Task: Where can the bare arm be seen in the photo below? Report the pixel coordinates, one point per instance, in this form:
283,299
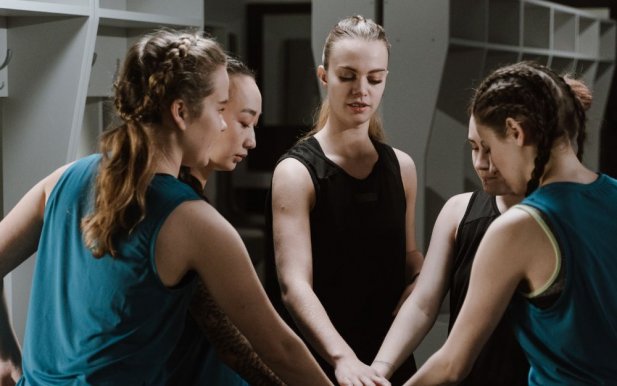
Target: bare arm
293,195
19,237
514,251
233,348
418,313
196,237
414,258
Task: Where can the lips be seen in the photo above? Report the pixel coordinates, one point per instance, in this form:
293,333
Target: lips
357,104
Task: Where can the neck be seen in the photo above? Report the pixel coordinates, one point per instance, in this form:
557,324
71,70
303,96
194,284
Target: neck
506,201
202,174
168,154
564,166
345,141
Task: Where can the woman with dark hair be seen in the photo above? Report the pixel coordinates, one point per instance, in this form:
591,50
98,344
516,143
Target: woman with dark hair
457,233
211,350
548,263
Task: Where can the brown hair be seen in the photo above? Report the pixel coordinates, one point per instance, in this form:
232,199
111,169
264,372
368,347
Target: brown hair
354,27
544,104
161,67
237,67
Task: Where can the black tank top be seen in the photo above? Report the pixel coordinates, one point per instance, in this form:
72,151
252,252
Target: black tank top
358,248
501,361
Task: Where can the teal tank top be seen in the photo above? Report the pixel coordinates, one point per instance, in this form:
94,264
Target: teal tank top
106,321
573,341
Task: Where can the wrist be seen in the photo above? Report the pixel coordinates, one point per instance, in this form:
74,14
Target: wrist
384,368
337,359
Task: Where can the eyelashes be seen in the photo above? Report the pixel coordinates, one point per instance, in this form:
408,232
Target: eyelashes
352,78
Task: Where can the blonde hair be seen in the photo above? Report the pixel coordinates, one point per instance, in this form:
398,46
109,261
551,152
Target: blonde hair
354,27
160,68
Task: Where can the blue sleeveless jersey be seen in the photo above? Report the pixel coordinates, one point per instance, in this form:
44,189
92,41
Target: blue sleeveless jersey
573,342
106,321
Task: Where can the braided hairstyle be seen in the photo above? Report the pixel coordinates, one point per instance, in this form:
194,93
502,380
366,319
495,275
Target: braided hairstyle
354,27
541,101
161,67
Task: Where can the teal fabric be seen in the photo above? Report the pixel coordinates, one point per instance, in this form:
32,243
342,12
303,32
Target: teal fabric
573,342
107,321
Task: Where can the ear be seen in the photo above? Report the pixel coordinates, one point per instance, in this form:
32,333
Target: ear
515,131
322,75
179,113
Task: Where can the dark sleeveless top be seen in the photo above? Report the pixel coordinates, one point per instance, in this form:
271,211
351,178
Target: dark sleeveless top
501,361
358,247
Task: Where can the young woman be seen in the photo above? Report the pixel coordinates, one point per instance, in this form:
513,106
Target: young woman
459,228
120,239
554,255
210,341
342,212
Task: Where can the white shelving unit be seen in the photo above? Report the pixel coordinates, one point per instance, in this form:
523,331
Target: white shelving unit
57,84
476,40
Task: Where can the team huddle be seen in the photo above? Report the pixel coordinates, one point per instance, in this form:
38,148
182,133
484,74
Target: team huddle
140,281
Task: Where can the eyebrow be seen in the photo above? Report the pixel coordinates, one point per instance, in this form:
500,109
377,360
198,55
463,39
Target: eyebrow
370,72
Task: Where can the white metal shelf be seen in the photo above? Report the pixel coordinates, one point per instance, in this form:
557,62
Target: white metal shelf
132,19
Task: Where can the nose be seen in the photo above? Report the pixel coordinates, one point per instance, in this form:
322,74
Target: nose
360,86
492,168
481,161
223,124
250,142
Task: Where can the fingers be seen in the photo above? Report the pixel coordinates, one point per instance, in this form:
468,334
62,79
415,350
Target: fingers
380,381
365,380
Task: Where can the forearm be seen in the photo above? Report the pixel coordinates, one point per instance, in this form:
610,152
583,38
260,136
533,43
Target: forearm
439,369
315,324
233,348
410,326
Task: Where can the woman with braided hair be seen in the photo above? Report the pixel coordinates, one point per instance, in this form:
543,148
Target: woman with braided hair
121,240
548,263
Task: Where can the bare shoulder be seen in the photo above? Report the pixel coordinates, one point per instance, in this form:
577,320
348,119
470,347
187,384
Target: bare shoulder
516,232
456,206
408,173
195,229
404,160
200,214
49,182
514,224
291,181
291,170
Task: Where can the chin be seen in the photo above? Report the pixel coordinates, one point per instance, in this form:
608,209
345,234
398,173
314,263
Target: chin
230,167
496,189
